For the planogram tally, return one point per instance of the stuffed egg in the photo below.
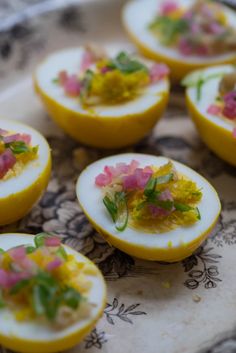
(147, 206)
(25, 166)
(211, 100)
(102, 99)
(50, 295)
(185, 34)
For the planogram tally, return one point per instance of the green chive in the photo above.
(55, 80)
(61, 253)
(198, 214)
(18, 147)
(40, 238)
(150, 186)
(122, 208)
(111, 207)
(1, 251)
(125, 64)
(30, 249)
(182, 207)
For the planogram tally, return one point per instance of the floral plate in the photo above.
(152, 307)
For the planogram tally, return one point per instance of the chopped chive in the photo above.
(1, 251)
(20, 285)
(182, 207)
(111, 207)
(30, 249)
(198, 214)
(122, 215)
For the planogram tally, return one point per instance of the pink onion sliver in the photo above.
(7, 161)
(167, 7)
(166, 195)
(130, 182)
(142, 178)
(214, 109)
(157, 211)
(54, 264)
(103, 180)
(52, 241)
(3, 278)
(3, 132)
(215, 28)
(86, 61)
(62, 77)
(133, 165)
(17, 254)
(185, 47)
(72, 86)
(17, 137)
(158, 72)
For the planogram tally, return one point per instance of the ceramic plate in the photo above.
(152, 307)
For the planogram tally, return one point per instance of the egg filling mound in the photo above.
(43, 282)
(200, 29)
(151, 199)
(109, 80)
(15, 152)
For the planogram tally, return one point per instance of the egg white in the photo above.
(33, 169)
(137, 15)
(90, 198)
(209, 92)
(36, 331)
(70, 59)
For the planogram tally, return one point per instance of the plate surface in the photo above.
(152, 307)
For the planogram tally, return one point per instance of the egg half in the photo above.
(19, 193)
(173, 245)
(103, 126)
(35, 337)
(215, 131)
(136, 17)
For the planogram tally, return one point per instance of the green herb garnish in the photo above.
(169, 28)
(125, 64)
(18, 147)
(117, 209)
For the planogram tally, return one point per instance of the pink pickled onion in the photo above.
(18, 253)
(169, 6)
(166, 195)
(86, 61)
(158, 72)
(138, 180)
(72, 86)
(158, 211)
(103, 179)
(54, 264)
(229, 110)
(3, 278)
(7, 161)
(62, 77)
(17, 137)
(3, 132)
(214, 109)
(52, 241)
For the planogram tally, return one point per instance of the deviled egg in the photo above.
(25, 166)
(147, 206)
(102, 100)
(211, 100)
(50, 295)
(185, 34)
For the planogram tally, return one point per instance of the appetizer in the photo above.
(103, 100)
(50, 295)
(25, 166)
(185, 34)
(147, 206)
(211, 100)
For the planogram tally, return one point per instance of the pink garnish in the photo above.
(195, 28)
(103, 179)
(229, 110)
(157, 211)
(17, 254)
(166, 195)
(185, 47)
(54, 264)
(72, 86)
(234, 132)
(3, 132)
(3, 278)
(86, 61)
(138, 180)
(167, 7)
(63, 77)
(18, 137)
(7, 161)
(214, 109)
(158, 72)
(105, 69)
(215, 28)
(110, 172)
(52, 241)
